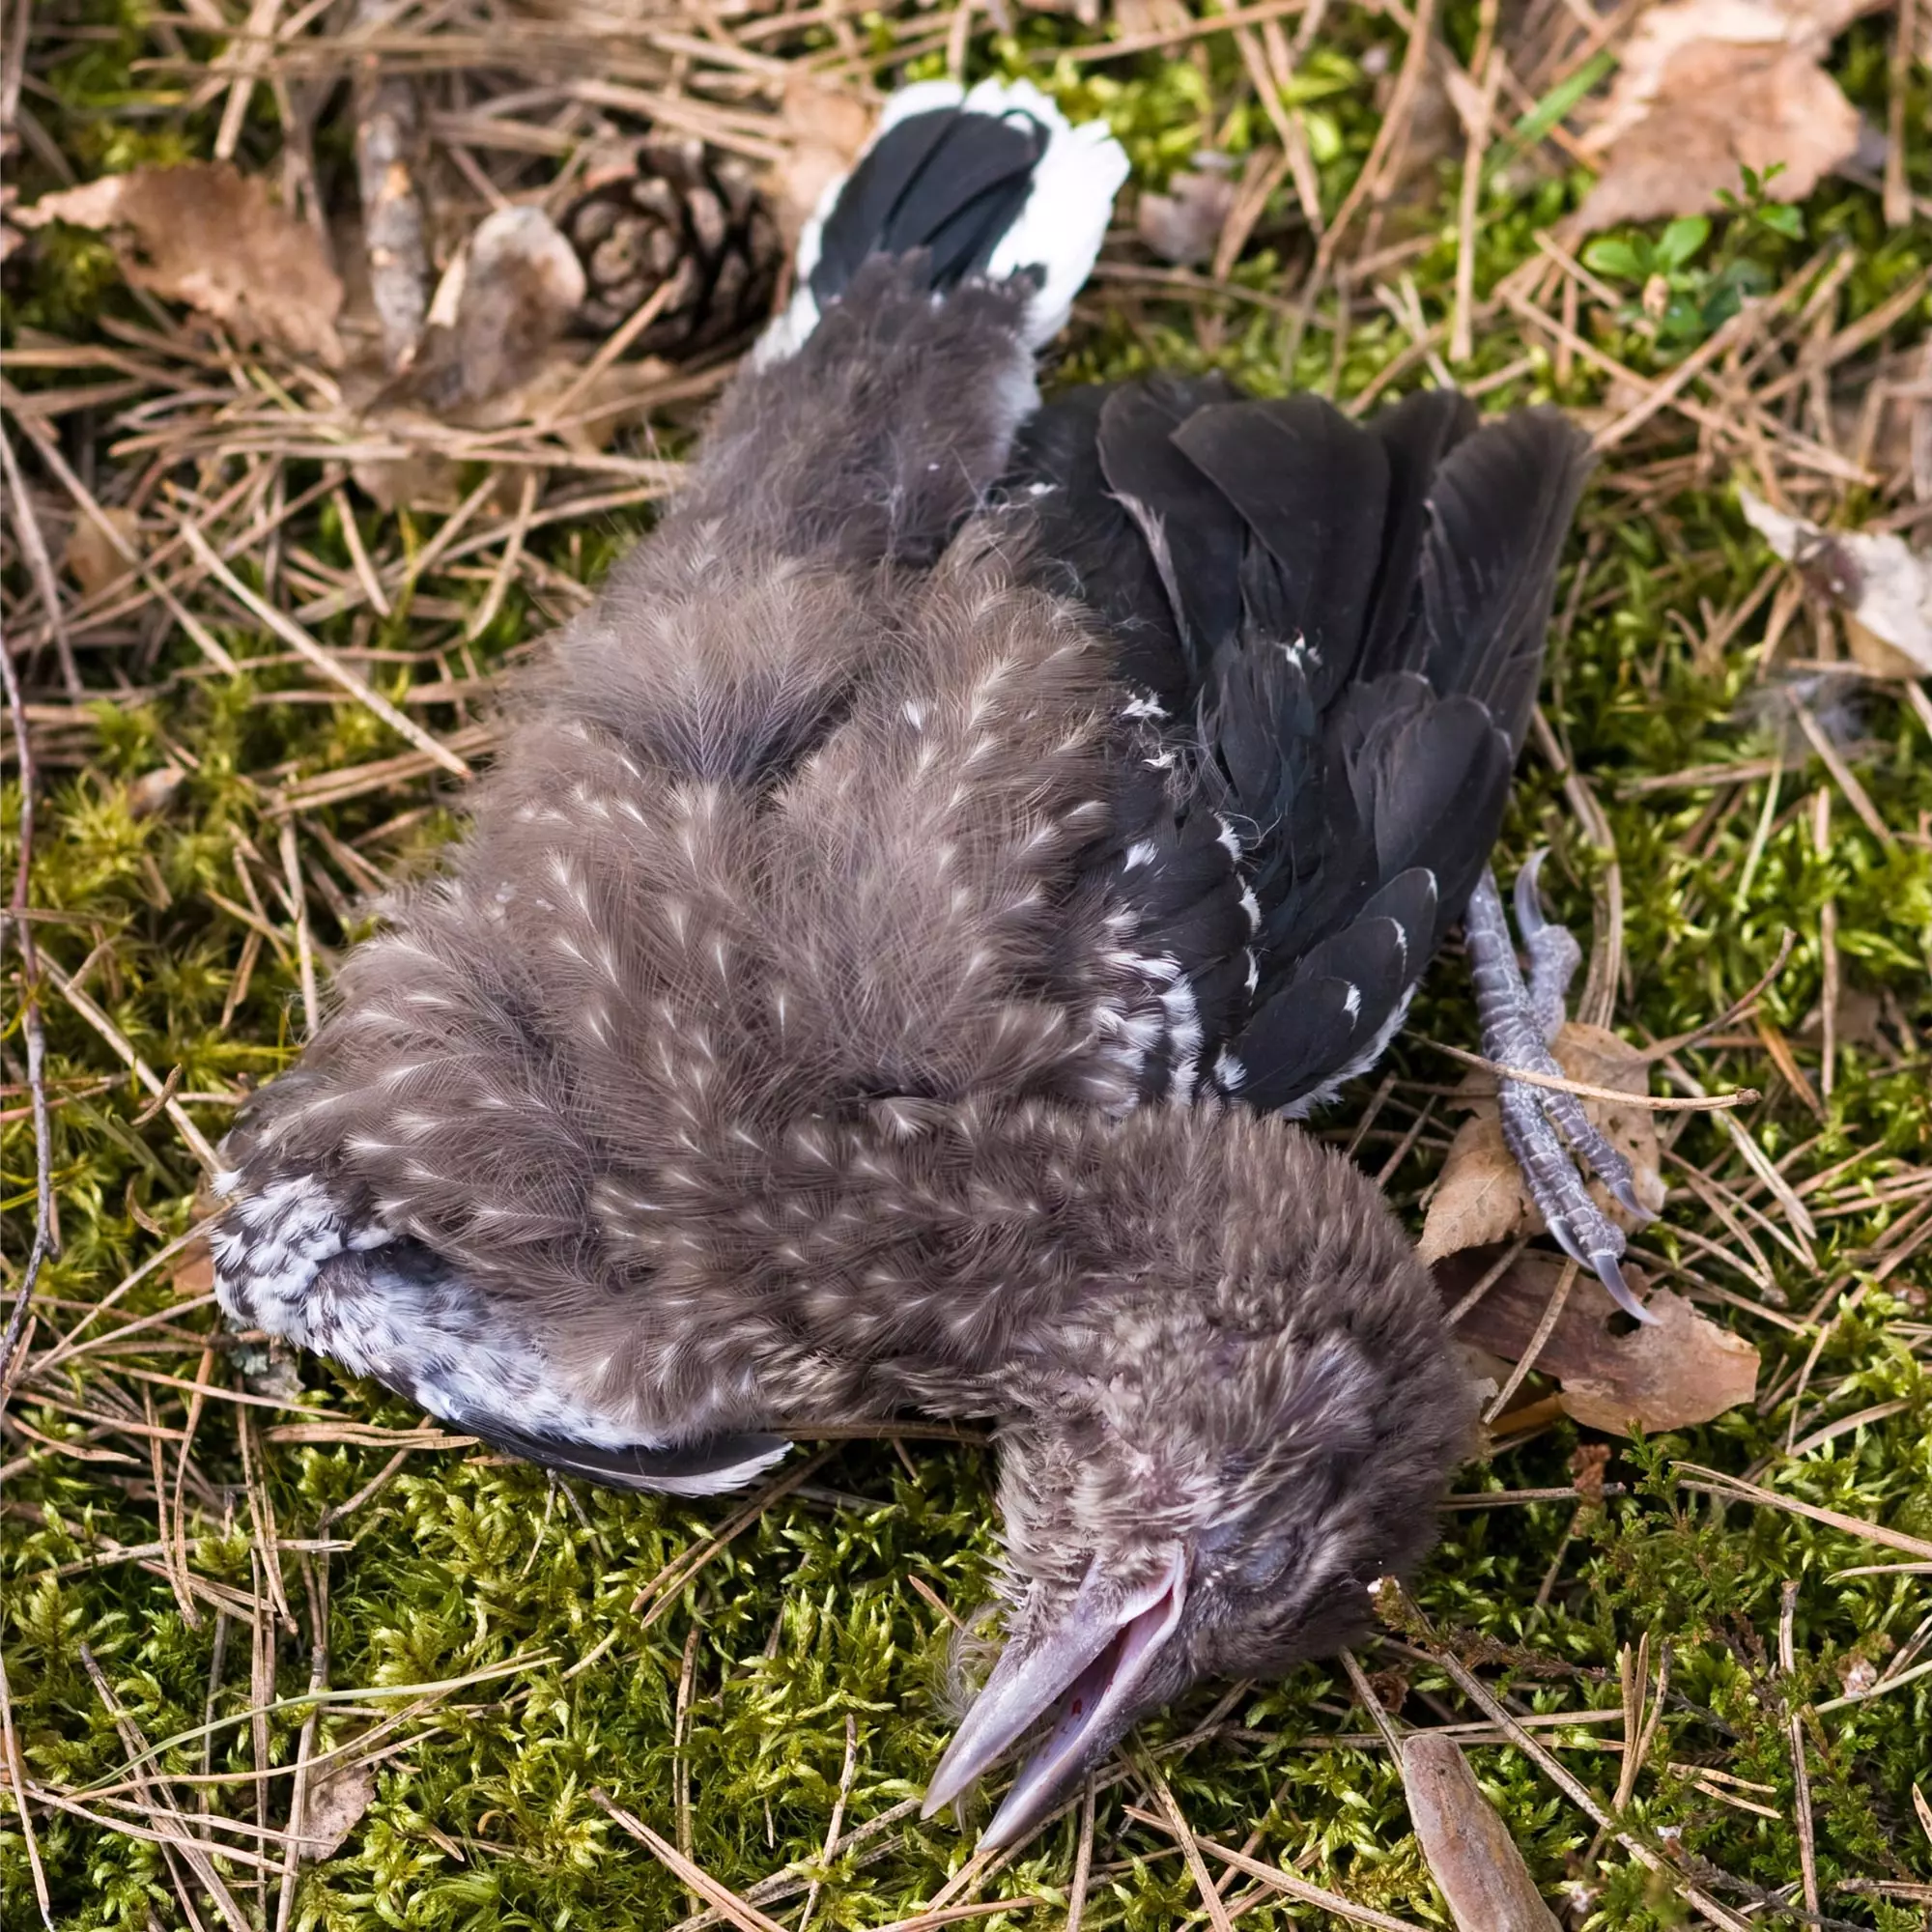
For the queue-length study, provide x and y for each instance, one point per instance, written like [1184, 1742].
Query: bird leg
[1518, 1023]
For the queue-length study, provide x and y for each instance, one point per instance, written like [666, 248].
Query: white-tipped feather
[1057, 235]
[1065, 219]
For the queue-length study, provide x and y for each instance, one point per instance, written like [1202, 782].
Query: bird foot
[1520, 1020]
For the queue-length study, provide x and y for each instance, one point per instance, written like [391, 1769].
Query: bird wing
[1330, 635]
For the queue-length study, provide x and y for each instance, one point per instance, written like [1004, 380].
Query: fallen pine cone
[680, 216]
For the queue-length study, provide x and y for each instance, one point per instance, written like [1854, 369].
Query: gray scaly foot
[1518, 1022]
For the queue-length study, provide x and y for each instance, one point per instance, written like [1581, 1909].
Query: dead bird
[906, 913]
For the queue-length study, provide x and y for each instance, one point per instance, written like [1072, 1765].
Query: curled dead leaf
[1480, 1196]
[1470, 1853]
[337, 1797]
[1184, 225]
[90, 556]
[501, 305]
[1683, 1370]
[1882, 584]
[151, 791]
[210, 236]
[1708, 88]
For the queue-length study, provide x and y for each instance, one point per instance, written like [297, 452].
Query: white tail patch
[1057, 234]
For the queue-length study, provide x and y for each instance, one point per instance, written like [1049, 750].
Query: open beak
[1086, 1671]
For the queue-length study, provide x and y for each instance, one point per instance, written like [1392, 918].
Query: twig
[1807, 1829]
[1478, 1694]
[333, 667]
[746, 1918]
[304, 949]
[1703, 1103]
[16, 1781]
[1485, 71]
[1842, 774]
[34, 544]
[1734, 1489]
[191, 1848]
[198, 1142]
[1897, 188]
[1082, 1861]
[847, 1772]
[1552, 1313]
[1287, 1883]
[44, 441]
[1191, 1846]
[1736, 1010]
[387, 132]
[35, 1037]
[1365, 1695]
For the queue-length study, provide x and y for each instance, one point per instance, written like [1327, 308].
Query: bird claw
[1546, 1129]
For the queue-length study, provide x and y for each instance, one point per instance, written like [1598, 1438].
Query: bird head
[1206, 1479]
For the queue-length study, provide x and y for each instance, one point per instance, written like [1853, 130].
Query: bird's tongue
[1086, 1672]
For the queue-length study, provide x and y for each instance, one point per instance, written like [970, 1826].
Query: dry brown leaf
[1883, 585]
[208, 235]
[1137, 19]
[1472, 1855]
[90, 557]
[336, 1799]
[1683, 1370]
[1184, 225]
[150, 794]
[1710, 87]
[423, 480]
[826, 127]
[501, 305]
[1481, 1198]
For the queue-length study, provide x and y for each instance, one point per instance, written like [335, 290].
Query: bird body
[905, 911]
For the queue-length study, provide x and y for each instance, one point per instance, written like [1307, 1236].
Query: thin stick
[1083, 1859]
[1807, 1829]
[1842, 774]
[614, 346]
[746, 1918]
[304, 949]
[198, 1143]
[1897, 188]
[17, 1779]
[1365, 1695]
[1656, 1103]
[41, 567]
[847, 1772]
[331, 667]
[1276, 1879]
[1552, 1313]
[389, 120]
[1579, 1793]
[32, 1032]
[191, 1848]
[204, 640]
[1485, 72]
[1736, 1010]
[1734, 1489]
[1191, 1846]
[1828, 951]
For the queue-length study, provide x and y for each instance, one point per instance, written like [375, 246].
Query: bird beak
[1086, 1671]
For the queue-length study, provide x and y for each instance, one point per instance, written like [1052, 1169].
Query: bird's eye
[1264, 1566]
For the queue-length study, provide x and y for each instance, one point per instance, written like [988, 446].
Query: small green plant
[1684, 297]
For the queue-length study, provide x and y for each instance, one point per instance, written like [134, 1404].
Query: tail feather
[993, 182]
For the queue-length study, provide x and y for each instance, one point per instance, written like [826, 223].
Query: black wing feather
[1344, 626]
